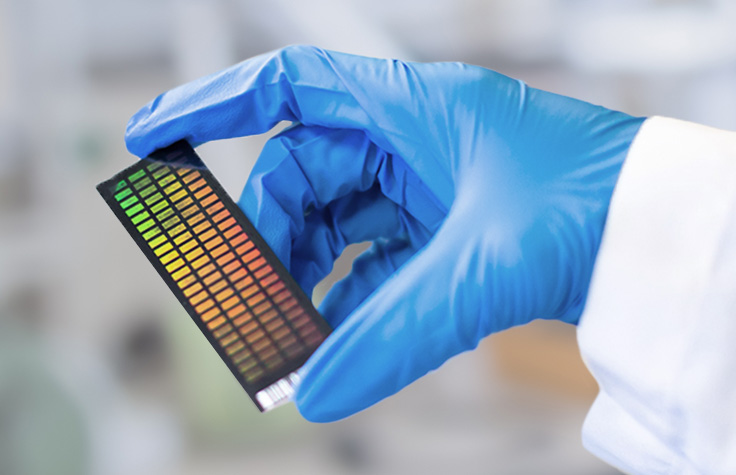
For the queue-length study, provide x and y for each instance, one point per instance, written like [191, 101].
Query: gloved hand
[485, 201]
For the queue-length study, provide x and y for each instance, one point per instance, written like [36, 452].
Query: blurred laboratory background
[101, 370]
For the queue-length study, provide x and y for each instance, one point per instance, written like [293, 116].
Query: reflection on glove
[485, 200]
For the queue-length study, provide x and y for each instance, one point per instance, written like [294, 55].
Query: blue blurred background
[102, 372]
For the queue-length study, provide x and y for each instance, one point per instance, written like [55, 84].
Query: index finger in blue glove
[384, 98]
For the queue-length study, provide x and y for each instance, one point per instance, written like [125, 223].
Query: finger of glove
[305, 168]
[358, 217]
[369, 271]
[426, 312]
[300, 170]
[402, 107]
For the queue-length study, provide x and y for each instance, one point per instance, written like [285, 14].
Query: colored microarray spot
[220, 269]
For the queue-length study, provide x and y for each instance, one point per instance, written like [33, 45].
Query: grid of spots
[217, 269]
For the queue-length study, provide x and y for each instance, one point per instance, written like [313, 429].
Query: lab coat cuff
[651, 332]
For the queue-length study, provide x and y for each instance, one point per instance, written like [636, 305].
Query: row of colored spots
[243, 303]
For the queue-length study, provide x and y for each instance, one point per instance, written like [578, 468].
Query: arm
[659, 328]
[485, 200]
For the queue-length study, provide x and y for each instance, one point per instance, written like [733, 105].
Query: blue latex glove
[485, 200]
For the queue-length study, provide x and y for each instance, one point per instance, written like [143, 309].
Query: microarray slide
[212, 258]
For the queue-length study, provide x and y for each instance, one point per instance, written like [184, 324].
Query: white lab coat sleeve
[659, 327]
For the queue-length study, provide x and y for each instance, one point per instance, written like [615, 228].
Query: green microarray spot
[139, 217]
[141, 183]
[155, 242]
[165, 214]
[176, 230]
[159, 206]
[134, 210]
[160, 172]
[123, 194]
[129, 202]
[154, 165]
[137, 176]
[166, 180]
[148, 235]
[147, 191]
[145, 225]
[152, 199]
[170, 222]
[121, 184]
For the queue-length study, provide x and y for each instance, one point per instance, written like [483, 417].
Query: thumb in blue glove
[485, 200]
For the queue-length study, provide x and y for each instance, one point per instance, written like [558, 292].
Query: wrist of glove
[485, 201]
